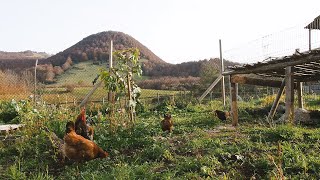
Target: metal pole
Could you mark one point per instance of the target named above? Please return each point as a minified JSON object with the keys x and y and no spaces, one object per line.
{"x":223,"y":90}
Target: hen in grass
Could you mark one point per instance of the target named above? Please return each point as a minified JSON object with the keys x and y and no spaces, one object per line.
{"x":78,"y":148}
{"x":81,"y":126}
{"x":167,"y":123}
{"x":222,"y":115}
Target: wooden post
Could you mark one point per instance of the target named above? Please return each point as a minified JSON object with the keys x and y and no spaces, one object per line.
{"x":300,"y":94}
{"x":310,"y":39}
{"x":276,"y":101}
{"x":130,"y":98}
{"x":223,"y":90}
{"x":35,"y":83}
{"x":110,"y":93}
{"x":289,"y":114}
{"x":234,"y":105}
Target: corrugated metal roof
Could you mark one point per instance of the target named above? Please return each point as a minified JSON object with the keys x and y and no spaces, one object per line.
{"x":315,"y":24}
{"x":306,"y":65}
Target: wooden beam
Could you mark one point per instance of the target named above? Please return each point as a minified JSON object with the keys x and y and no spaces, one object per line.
{"x":210,"y":88}
{"x":300,"y":94}
{"x":289,"y":114}
{"x":85,"y":100}
{"x":234,"y":105}
{"x":276,"y":101}
{"x":278,"y":64}
{"x":243,"y":79}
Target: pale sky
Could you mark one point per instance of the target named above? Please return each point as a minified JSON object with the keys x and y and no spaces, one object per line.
{"x":175,"y":30}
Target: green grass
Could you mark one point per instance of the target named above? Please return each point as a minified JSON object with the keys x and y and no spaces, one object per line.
{"x":200,"y":147}
{"x":80,"y":73}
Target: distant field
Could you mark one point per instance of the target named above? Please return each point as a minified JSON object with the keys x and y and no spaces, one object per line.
{"x":81,"y":73}
{"x":81,"y":76}
{"x":60,"y":94}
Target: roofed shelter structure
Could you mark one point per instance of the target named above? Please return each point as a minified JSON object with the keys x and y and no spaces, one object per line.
{"x":287,"y":73}
{"x":315,"y":24}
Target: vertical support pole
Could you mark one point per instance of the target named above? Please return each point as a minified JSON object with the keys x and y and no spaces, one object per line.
{"x":35,"y":83}
{"x":234,"y":105}
{"x":310,"y":39}
{"x":110,"y":55}
{"x":276,"y":101}
{"x":289,"y":115}
{"x":223,"y":90}
{"x":110,"y":94}
{"x":300,"y":94}
{"x":130,"y":98}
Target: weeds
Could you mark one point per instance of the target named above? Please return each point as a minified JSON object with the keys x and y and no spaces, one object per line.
{"x":196,"y":149}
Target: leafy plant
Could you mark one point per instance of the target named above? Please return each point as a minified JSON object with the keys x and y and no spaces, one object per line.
{"x":119,"y":79}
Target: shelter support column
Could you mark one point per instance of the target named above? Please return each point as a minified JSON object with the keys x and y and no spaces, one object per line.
{"x":234,"y":105}
{"x":300,"y":94}
{"x":289,"y":81}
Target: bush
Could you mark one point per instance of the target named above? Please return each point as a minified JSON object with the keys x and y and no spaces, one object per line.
{"x":69,"y":87}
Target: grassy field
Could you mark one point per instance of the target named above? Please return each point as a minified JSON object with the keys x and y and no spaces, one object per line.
{"x":200,"y":147}
{"x":80,"y":73}
{"x":83,"y":74}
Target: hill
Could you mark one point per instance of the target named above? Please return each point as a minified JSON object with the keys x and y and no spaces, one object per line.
{"x":94,"y":50}
{"x":96,"y":47}
{"x":23,"y":55}
{"x":19,"y":61}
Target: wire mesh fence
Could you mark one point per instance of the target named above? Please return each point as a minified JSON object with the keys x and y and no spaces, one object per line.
{"x":278,"y":44}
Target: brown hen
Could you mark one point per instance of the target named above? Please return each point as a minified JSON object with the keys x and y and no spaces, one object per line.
{"x":78,"y":148}
{"x":167,"y":123}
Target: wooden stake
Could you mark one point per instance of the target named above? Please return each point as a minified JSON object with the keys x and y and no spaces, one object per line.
{"x":84,"y":101}
{"x":130,"y":98}
{"x":35,"y":82}
{"x":276,"y":101}
{"x":110,"y":93}
{"x":210,"y":88}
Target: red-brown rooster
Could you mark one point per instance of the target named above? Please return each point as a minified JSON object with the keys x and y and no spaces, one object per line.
{"x":81,"y":126}
{"x":78,"y":148}
{"x":167,"y":123}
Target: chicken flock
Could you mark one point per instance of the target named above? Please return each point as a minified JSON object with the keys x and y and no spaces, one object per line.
{"x":78,"y":145}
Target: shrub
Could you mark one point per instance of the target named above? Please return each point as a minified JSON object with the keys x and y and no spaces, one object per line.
{"x":69,"y":87}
